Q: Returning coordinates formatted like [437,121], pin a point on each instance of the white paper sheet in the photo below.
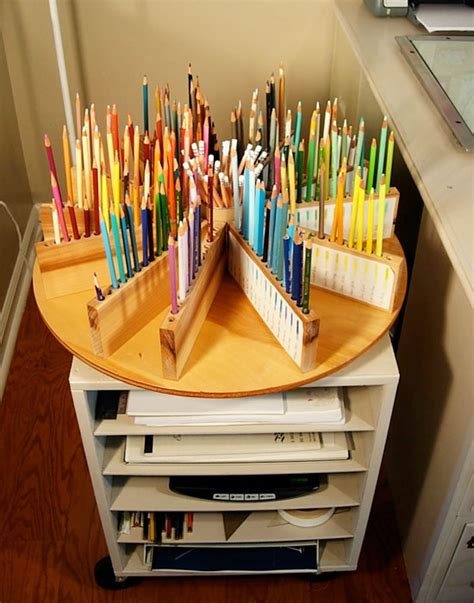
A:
[445,17]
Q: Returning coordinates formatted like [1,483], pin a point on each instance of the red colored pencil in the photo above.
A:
[95,185]
[49,154]
[72,218]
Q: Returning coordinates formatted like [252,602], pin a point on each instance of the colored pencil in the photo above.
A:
[108,252]
[308,246]
[126,247]
[388,166]
[59,207]
[172,273]
[145,104]
[118,248]
[72,219]
[381,158]
[360,216]
[131,229]
[373,152]
[322,179]
[380,218]
[370,224]
[67,165]
[98,291]
[286,262]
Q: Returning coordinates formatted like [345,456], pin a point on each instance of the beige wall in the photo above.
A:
[110,45]
[14,190]
[432,425]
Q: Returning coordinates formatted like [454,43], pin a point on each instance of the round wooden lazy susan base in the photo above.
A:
[235,353]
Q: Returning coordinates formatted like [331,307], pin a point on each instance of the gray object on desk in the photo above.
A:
[404,8]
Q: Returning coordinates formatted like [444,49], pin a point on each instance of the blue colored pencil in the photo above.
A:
[108,252]
[145,105]
[131,227]
[144,233]
[245,210]
[281,235]
[277,247]
[286,262]
[118,247]
[260,218]
[271,237]
[126,247]
[297,269]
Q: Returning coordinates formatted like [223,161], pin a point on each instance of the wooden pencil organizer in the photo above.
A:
[296,332]
[221,215]
[68,267]
[366,278]
[307,214]
[126,310]
[178,332]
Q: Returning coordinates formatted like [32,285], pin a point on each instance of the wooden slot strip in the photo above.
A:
[367,278]
[296,332]
[307,214]
[52,257]
[179,332]
[128,309]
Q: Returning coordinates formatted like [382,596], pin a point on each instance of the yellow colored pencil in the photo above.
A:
[67,165]
[79,174]
[116,186]
[327,157]
[380,218]
[355,197]
[360,216]
[370,223]
[105,199]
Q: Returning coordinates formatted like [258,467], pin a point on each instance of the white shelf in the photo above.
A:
[114,464]
[333,557]
[260,526]
[359,417]
[369,388]
[153,494]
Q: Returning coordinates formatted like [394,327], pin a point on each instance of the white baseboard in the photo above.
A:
[17,293]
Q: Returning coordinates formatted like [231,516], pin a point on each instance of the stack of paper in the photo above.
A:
[271,447]
[304,405]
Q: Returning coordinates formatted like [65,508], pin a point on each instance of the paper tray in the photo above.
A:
[225,559]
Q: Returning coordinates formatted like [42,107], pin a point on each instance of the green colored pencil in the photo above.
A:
[373,153]
[382,145]
[307,275]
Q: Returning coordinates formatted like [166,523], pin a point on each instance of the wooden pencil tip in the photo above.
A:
[145,80]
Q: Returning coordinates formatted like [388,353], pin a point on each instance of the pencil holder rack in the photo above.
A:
[366,278]
[68,267]
[307,214]
[296,332]
[178,332]
[126,310]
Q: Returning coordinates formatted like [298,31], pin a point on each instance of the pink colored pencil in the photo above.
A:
[206,141]
[59,207]
[277,170]
[172,270]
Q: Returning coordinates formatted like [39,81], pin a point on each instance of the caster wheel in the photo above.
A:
[105,577]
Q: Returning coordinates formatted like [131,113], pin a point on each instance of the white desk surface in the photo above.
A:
[441,169]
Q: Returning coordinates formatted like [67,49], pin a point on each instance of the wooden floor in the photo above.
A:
[50,534]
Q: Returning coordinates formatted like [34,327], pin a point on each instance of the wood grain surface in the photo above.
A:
[235,354]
